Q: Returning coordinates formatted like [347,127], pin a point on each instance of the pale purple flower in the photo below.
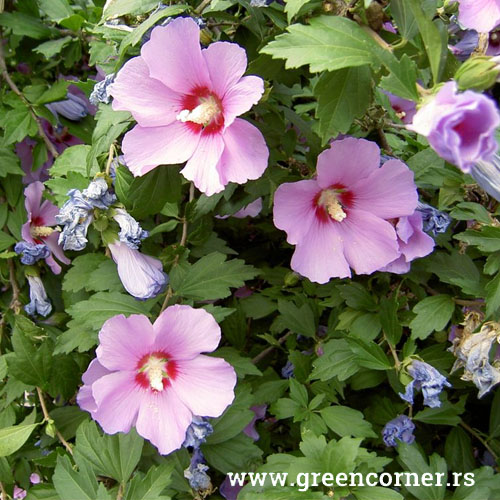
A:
[460,127]
[259,413]
[413,243]
[31,252]
[73,108]
[186,102]
[38,229]
[18,493]
[479,15]
[341,218]
[487,175]
[131,233]
[39,302]
[35,478]
[426,379]
[398,429]
[153,377]
[141,275]
[404,108]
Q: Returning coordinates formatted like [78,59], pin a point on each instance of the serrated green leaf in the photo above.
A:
[433,313]
[346,421]
[369,354]
[12,438]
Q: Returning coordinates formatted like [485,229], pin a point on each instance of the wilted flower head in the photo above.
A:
[153,377]
[434,221]
[197,432]
[472,351]
[341,219]
[186,101]
[479,15]
[39,302]
[398,429]
[100,91]
[98,195]
[141,275]
[287,370]
[131,233]
[31,252]
[196,474]
[73,108]
[487,175]
[38,229]
[426,379]
[259,412]
[460,127]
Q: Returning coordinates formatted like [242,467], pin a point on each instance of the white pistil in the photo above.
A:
[154,369]
[41,231]
[329,200]
[203,114]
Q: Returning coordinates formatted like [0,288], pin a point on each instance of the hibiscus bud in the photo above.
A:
[477,73]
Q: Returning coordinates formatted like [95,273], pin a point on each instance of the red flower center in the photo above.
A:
[155,370]
[331,203]
[202,110]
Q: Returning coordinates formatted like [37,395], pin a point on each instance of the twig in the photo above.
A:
[471,431]
[15,303]
[397,363]
[47,417]
[168,296]
[202,6]
[470,303]
[269,349]
[121,490]
[2,487]
[15,89]
[383,140]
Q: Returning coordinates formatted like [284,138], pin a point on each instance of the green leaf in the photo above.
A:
[12,438]
[389,319]
[24,25]
[18,123]
[486,240]
[211,277]
[433,313]
[403,82]
[376,493]
[338,360]
[150,486]
[77,276]
[357,297]
[73,485]
[102,305]
[52,47]
[298,319]
[298,393]
[104,278]
[446,414]
[113,456]
[6,241]
[150,192]
[405,21]
[117,8]
[284,408]
[458,451]
[242,365]
[73,159]
[9,163]
[493,295]
[342,96]
[369,354]
[328,43]
[346,421]
[494,428]
[292,8]
[56,9]
[435,45]
[468,210]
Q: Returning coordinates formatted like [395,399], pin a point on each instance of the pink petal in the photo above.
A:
[241,97]
[201,168]
[145,148]
[319,255]
[151,103]
[398,266]
[173,55]
[94,372]
[54,266]
[118,399]
[479,15]
[294,210]
[163,419]
[124,341]
[52,242]
[33,198]
[347,161]
[369,242]
[388,192]
[205,385]
[245,154]
[25,230]
[251,210]
[48,212]
[184,332]
[226,63]
[420,244]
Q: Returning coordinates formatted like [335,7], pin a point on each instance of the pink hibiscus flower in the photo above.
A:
[186,101]
[41,216]
[153,377]
[479,15]
[340,219]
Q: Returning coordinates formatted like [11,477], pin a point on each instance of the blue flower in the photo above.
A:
[39,302]
[131,233]
[433,219]
[31,252]
[427,379]
[287,370]
[73,108]
[100,91]
[197,432]
[196,474]
[400,428]
[97,194]
[487,175]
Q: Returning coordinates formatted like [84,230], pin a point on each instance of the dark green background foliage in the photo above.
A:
[324,74]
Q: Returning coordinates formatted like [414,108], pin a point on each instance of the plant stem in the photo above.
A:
[269,349]
[110,158]
[121,490]
[202,6]
[47,417]
[397,363]
[15,89]
[472,432]
[383,140]
[15,304]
